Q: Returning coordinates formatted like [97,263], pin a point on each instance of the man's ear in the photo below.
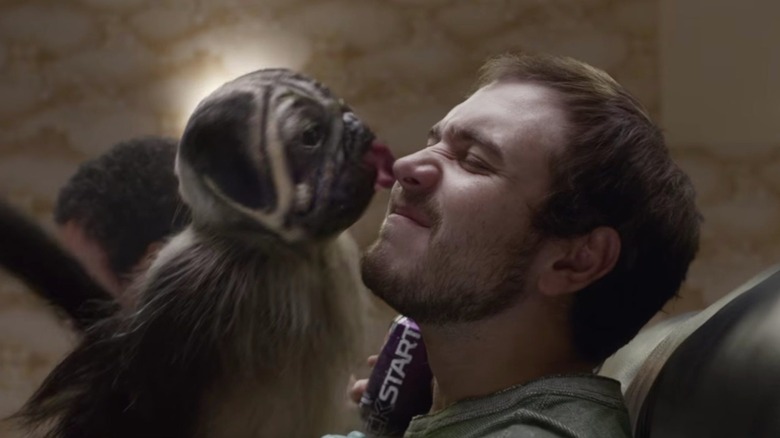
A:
[575,263]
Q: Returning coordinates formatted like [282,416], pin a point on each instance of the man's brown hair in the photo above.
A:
[615,171]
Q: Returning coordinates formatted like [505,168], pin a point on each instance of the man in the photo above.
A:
[116,211]
[543,225]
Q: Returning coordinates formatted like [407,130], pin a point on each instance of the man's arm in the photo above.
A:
[29,253]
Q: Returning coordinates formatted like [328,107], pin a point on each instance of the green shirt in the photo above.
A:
[572,406]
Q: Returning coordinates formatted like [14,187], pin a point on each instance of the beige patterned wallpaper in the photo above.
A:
[79,75]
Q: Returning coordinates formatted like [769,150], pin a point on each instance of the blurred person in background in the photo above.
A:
[119,208]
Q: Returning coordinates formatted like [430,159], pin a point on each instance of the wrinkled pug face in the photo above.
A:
[277,149]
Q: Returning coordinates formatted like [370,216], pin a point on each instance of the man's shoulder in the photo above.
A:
[582,406]
[526,431]
[525,423]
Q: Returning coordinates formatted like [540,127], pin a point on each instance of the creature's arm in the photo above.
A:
[33,256]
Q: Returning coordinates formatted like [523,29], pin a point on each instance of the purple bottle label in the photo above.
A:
[400,384]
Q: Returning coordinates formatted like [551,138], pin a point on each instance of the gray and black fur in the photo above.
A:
[248,321]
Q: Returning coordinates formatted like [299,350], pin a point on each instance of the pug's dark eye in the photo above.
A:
[312,135]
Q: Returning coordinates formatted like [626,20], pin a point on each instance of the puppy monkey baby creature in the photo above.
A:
[245,325]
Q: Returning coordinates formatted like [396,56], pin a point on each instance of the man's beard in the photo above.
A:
[452,285]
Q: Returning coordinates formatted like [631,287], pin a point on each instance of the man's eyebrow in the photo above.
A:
[474,136]
[469,135]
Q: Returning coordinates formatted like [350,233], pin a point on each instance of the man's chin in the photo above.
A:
[380,276]
[373,268]
[380,258]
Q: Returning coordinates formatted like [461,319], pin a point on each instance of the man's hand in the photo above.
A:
[358,387]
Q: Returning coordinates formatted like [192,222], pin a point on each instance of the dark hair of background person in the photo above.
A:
[126,199]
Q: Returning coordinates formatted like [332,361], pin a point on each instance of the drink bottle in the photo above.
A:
[399,387]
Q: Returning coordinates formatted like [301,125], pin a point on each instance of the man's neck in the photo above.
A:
[480,358]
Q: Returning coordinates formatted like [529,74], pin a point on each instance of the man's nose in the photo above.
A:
[417,172]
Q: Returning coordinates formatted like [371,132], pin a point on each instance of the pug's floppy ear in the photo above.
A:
[573,264]
[218,144]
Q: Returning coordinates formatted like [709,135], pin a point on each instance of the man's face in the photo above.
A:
[456,244]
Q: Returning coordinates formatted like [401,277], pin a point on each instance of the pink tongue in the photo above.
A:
[380,157]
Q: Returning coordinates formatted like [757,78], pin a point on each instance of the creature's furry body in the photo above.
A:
[204,356]
[238,330]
